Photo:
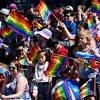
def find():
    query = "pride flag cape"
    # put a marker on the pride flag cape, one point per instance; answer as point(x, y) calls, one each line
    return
point(19, 24)
point(6, 32)
point(85, 89)
point(32, 55)
point(62, 92)
point(56, 65)
point(43, 10)
point(67, 90)
point(95, 6)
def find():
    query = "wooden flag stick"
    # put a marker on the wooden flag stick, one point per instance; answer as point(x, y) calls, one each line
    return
point(95, 86)
point(55, 16)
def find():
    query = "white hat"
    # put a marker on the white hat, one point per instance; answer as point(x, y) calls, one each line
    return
point(69, 8)
point(5, 11)
point(46, 33)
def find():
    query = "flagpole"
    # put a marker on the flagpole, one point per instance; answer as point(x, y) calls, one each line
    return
point(95, 86)
point(54, 16)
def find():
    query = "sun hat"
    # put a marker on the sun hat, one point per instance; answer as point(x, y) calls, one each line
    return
point(5, 11)
point(46, 33)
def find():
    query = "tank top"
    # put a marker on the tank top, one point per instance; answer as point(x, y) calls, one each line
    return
point(13, 85)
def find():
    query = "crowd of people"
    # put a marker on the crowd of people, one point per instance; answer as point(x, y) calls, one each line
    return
point(64, 33)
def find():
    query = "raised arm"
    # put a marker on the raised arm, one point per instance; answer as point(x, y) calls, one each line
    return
point(70, 36)
point(27, 59)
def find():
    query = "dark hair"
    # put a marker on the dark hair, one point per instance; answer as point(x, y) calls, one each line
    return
point(17, 66)
point(46, 53)
point(52, 42)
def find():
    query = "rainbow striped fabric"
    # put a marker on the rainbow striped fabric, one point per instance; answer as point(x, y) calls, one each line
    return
point(6, 32)
point(65, 90)
point(43, 10)
point(85, 89)
point(38, 25)
point(90, 23)
point(95, 7)
point(62, 92)
point(19, 24)
point(91, 26)
point(32, 55)
point(56, 65)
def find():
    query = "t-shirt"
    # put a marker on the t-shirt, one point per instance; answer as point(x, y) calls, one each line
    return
point(39, 72)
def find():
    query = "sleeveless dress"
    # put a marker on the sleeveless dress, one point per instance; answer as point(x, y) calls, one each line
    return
point(25, 95)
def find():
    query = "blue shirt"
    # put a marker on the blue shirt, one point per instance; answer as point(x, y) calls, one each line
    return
point(71, 26)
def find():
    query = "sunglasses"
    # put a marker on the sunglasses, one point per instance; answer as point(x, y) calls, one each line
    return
point(12, 68)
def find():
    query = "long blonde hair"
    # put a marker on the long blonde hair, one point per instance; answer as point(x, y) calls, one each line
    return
point(87, 34)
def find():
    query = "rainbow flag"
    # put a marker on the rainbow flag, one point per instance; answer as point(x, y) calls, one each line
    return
point(91, 26)
point(56, 65)
point(95, 6)
point(38, 25)
point(6, 32)
point(32, 55)
point(19, 24)
point(43, 10)
point(65, 90)
point(85, 89)
point(90, 23)
point(62, 92)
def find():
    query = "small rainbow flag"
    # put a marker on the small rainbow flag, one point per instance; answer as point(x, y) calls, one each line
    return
point(95, 7)
point(56, 65)
point(6, 32)
point(38, 25)
point(91, 26)
point(43, 10)
point(19, 24)
point(32, 55)
point(85, 89)
point(90, 23)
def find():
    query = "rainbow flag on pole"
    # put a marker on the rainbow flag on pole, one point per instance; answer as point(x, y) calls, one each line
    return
point(6, 32)
point(85, 89)
point(19, 24)
point(95, 7)
point(91, 26)
point(32, 55)
point(56, 65)
point(38, 25)
point(43, 10)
